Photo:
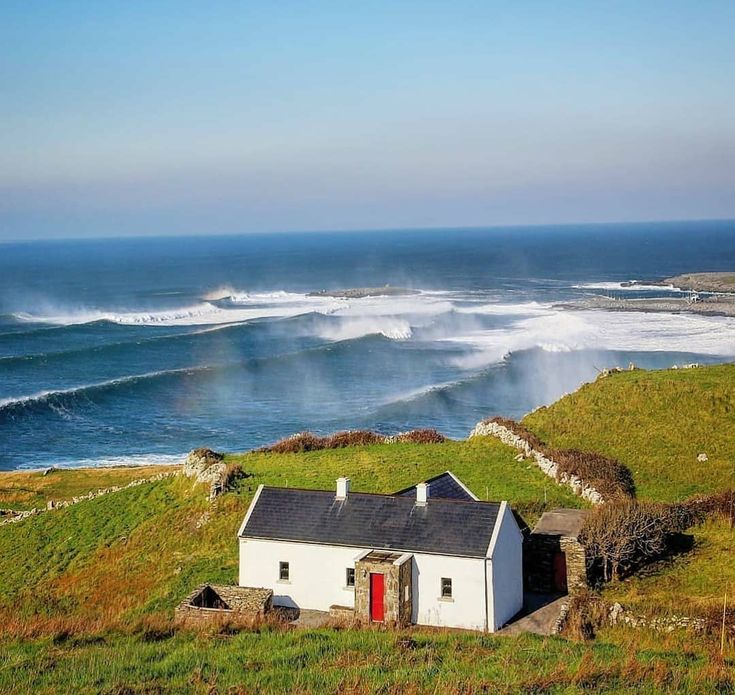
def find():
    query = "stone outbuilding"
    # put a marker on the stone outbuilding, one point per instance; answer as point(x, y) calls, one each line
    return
point(554, 559)
point(215, 602)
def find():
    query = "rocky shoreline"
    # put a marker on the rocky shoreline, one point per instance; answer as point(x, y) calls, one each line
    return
point(719, 305)
point(697, 282)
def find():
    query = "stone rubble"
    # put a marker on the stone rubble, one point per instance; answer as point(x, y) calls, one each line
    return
point(547, 465)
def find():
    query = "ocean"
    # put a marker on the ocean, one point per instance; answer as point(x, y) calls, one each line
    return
point(138, 350)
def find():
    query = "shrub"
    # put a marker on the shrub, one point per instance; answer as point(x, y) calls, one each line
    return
point(424, 436)
point(701, 507)
point(303, 441)
point(622, 536)
point(352, 438)
point(608, 476)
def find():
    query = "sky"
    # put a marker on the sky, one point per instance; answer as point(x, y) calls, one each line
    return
point(151, 118)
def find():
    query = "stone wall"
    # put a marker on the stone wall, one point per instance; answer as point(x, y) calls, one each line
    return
point(397, 600)
point(10, 516)
point(547, 465)
point(244, 603)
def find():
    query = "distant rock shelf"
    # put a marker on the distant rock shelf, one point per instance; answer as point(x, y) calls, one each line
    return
point(363, 292)
point(714, 305)
point(701, 282)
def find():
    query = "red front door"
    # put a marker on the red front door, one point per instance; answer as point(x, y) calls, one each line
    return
point(377, 597)
point(560, 572)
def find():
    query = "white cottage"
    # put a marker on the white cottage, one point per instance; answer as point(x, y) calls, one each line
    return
point(432, 554)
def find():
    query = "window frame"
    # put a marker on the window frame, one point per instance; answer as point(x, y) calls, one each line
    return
point(444, 583)
point(284, 565)
point(350, 575)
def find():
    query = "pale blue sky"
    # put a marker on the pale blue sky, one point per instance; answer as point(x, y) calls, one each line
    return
point(220, 117)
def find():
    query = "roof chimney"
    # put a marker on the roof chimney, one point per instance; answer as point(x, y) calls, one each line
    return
point(343, 488)
point(422, 494)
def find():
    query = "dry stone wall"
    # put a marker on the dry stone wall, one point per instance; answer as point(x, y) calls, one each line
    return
point(547, 465)
point(10, 516)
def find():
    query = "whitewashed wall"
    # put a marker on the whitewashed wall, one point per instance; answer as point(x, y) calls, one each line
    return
point(506, 571)
point(317, 572)
point(467, 606)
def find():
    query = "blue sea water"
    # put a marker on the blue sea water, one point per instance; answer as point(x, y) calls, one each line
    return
point(138, 350)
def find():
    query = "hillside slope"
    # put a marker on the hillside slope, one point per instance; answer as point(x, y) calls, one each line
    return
point(656, 423)
point(107, 561)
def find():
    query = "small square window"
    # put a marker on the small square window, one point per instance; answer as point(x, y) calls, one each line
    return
point(446, 587)
point(283, 571)
point(350, 576)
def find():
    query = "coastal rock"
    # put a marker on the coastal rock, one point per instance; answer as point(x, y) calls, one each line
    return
point(207, 466)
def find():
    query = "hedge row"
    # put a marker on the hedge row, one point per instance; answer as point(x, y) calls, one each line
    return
point(307, 441)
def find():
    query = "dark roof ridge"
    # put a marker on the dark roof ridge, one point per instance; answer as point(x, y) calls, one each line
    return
point(392, 495)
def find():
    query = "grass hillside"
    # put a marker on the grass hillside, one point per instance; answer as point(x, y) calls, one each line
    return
point(656, 423)
point(26, 489)
point(111, 560)
point(89, 590)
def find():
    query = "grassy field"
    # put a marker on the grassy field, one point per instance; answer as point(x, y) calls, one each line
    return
point(656, 423)
point(25, 490)
point(365, 661)
point(691, 583)
point(106, 562)
point(88, 591)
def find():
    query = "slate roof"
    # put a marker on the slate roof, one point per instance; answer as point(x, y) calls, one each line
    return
point(561, 522)
point(389, 522)
point(444, 486)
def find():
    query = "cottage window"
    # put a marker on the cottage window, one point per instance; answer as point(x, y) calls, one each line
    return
point(283, 571)
point(350, 576)
point(446, 587)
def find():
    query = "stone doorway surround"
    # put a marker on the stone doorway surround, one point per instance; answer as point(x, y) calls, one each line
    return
point(397, 570)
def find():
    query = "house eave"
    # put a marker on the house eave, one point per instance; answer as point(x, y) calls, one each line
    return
point(412, 551)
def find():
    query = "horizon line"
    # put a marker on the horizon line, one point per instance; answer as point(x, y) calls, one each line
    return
point(359, 230)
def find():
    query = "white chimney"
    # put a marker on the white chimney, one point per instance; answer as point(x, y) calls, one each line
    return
point(422, 494)
point(343, 488)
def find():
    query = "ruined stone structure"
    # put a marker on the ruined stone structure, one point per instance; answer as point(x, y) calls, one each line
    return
point(210, 603)
point(396, 570)
point(554, 559)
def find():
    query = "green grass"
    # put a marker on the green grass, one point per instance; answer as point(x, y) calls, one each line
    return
point(485, 465)
point(25, 489)
point(690, 583)
point(111, 560)
point(369, 661)
point(656, 423)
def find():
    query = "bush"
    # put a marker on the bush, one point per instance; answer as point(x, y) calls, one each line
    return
point(608, 476)
point(425, 436)
point(352, 438)
point(702, 507)
point(303, 441)
point(306, 441)
point(622, 536)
